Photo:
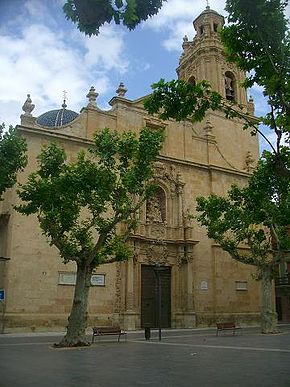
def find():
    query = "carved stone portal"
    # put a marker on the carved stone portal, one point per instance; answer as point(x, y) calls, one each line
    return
point(157, 253)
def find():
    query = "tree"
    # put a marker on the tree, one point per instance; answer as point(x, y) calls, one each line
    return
point(13, 157)
point(87, 208)
point(252, 224)
point(257, 41)
point(90, 15)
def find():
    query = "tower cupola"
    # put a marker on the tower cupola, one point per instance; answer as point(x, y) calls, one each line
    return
point(208, 23)
point(203, 58)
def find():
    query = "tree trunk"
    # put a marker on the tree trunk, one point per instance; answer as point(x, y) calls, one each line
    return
point(268, 314)
point(77, 321)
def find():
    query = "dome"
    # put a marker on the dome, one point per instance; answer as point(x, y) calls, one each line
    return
point(56, 118)
point(207, 11)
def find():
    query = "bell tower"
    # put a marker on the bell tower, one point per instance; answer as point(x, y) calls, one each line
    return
point(204, 58)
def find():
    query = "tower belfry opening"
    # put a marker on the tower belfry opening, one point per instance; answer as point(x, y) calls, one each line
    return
point(204, 58)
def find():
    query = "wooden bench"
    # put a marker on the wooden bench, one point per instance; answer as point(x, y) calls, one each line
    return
point(227, 326)
point(104, 331)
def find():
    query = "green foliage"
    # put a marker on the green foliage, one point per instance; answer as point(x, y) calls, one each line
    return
point(181, 100)
point(90, 15)
point(13, 157)
point(258, 42)
point(80, 205)
point(251, 223)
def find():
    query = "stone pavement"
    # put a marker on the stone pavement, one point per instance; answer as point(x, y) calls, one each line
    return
point(184, 358)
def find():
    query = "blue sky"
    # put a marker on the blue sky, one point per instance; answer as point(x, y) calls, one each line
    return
point(42, 53)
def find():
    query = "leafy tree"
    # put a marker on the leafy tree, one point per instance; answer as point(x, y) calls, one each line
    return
point(90, 15)
point(251, 224)
point(12, 157)
point(257, 41)
point(87, 208)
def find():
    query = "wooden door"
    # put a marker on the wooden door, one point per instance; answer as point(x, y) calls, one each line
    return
point(149, 297)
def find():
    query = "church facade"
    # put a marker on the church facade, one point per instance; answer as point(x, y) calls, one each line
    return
point(200, 284)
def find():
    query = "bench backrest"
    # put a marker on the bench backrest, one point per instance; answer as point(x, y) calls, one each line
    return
point(99, 330)
point(225, 325)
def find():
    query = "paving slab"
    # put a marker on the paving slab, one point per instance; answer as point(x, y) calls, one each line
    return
point(182, 359)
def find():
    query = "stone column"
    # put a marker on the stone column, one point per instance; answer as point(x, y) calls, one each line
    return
point(189, 315)
point(130, 313)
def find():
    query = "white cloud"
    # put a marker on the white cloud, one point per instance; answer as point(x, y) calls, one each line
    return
point(106, 49)
point(176, 17)
point(174, 41)
point(43, 60)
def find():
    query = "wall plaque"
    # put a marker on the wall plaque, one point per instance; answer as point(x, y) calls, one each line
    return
point(204, 285)
point(98, 280)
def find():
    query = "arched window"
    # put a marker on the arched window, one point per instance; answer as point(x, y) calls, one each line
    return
point(230, 86)
point(156, 207)
point(192, 80)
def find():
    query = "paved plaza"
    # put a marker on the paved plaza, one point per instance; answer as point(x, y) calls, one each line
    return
point(184, 358)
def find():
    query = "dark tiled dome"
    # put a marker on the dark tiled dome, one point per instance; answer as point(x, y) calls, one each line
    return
point(55, 118)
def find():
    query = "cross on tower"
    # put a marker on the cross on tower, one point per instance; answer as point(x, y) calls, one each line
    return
point(64, 95)
point(207, 4)
point(64, 105)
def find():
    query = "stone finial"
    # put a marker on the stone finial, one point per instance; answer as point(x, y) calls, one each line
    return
point(92, 96)
point(185, 39)
point(121, 91)
point(28, 106)
point(251, 106)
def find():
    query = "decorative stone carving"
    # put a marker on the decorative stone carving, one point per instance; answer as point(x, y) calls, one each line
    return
point(157, 253)
point(208, 130)
point(184, 256)
point(28, 106)
point(169, 176)
point(118, 298)
point(158, 231)
point(153, 213)
point(136, 252)
point(121, 91)
point(249, 162)
point(92, 96)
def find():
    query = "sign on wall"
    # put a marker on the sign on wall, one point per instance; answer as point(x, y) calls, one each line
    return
point(98, 280)
point(203, 285)
point(2, 294)
point(69, 278)
point(241, 285)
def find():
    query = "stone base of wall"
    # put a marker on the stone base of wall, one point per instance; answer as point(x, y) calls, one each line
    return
point(210, 319)
point(128, 321)
point(14, 322)
point(184, 320)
